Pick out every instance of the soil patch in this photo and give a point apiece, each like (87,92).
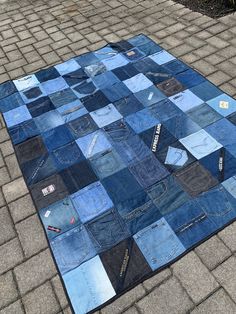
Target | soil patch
(212,8)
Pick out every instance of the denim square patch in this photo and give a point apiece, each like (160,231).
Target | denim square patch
(141,120)
(200,144)
(91,201)
(158,243)
(93,143)
(223,104)
(16,116)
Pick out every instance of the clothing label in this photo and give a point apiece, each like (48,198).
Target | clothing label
(150,96)
(130,53)
(156,137)
(92,144)
(48,212)
(224,104)
(51,228)
(124,263)
(221,165)
(72,221)
(49,189)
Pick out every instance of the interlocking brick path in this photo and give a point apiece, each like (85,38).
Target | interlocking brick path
(40,33)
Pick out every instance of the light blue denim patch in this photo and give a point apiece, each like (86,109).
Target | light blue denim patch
(200,144)
(93,143)
(162,57)
(105,80)
(67,66)
(48,120)
(72,111)
(55,85)
(16,116)
(26,82)
(88,286)
(150,96)
(105,53)
(72,248)
(115,61)
(159,244)
(61,216)
(176,156)
(141,120)
(230,185)
(223,104)
(138,82)
(186,100)
(91,201)
(106,115)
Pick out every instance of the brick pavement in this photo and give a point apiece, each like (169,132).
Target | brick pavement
(36,34)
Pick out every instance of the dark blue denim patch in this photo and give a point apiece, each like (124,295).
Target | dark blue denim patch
(125,72)
(30,149)
(95,101)
(167,195)
(232,118)
(116,92)
(138,212)
(175,67)
(165,110)
(128,105)
(47,74)
(40,106)
(11,102)
(38,169)
(67,155)
(206,91)
(149,48)
(78,176)
(121,186)
(107,230)
(190,223)
(190,78)
(121,46)
(57,137)
(157,138)
(6,89)
(82,126)
(75,77)
(224,209)
(221,164)
(23,131)
(152,70)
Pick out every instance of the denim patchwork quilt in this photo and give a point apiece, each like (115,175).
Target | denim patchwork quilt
(130,157)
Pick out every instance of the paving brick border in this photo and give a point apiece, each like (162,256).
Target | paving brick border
(37,34)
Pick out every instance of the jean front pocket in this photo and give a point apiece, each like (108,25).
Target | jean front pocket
(91,201)
(207,145)
(103,111)
(158,191)
(118,131)
(107,230)
(159,244)
(215,203)
(67,154)
(72,248)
